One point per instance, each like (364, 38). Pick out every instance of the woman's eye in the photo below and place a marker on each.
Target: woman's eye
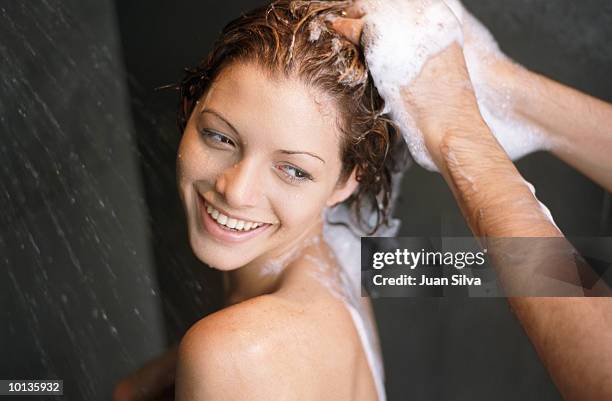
(217, 138)
(294, 174)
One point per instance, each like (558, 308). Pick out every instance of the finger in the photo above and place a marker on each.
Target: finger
(350, 28)
(355, 11)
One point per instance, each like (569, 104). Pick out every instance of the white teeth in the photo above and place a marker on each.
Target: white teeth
(224, 220)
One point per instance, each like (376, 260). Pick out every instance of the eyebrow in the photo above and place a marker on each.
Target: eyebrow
(220, 117)
(284, 151)
(293, 152)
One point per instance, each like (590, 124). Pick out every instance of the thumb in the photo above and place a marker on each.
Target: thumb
(350, 28)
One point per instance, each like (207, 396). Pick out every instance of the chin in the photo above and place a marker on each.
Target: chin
(215, 256)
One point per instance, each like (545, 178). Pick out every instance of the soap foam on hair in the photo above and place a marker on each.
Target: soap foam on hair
(396, 52)
(401, 35)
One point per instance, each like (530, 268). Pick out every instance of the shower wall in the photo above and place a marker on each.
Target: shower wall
(79, 294)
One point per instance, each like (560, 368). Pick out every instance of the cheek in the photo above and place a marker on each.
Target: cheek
(194, 163)
(297, 209)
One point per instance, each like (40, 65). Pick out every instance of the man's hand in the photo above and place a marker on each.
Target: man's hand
(421, 26)
(439, 99)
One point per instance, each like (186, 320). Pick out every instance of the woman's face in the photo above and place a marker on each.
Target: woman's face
(257, 151)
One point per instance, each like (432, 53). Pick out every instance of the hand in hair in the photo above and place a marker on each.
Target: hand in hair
(439, 98)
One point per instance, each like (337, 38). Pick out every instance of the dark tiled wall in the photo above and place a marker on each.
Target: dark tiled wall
(79, 293)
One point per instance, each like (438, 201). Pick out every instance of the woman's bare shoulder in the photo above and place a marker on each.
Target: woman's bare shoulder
(266, 323)
(244, 327)
(250, 345)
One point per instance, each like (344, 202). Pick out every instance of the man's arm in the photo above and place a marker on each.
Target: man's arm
(573, 336)
(578, 126)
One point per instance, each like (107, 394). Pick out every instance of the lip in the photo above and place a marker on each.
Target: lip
(231, 216)
(214, 229)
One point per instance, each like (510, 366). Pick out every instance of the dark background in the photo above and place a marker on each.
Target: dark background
(97, 275)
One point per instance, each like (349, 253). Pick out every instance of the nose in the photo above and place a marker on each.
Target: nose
(238, 184)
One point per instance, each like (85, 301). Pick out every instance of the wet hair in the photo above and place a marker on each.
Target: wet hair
(294, 40)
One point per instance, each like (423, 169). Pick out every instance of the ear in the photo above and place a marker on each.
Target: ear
(346, 189)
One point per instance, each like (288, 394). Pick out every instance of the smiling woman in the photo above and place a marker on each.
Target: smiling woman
(262, 152)
(281, 125)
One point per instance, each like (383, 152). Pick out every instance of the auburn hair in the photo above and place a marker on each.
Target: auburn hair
(294, 39)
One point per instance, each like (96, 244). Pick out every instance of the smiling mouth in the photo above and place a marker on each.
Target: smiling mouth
(230, 223)
(225, 228)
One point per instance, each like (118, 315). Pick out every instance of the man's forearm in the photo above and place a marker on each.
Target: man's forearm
(578, 126)
(494, 198)
(573, 336)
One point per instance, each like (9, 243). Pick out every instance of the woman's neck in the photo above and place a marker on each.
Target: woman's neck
(264, 275)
